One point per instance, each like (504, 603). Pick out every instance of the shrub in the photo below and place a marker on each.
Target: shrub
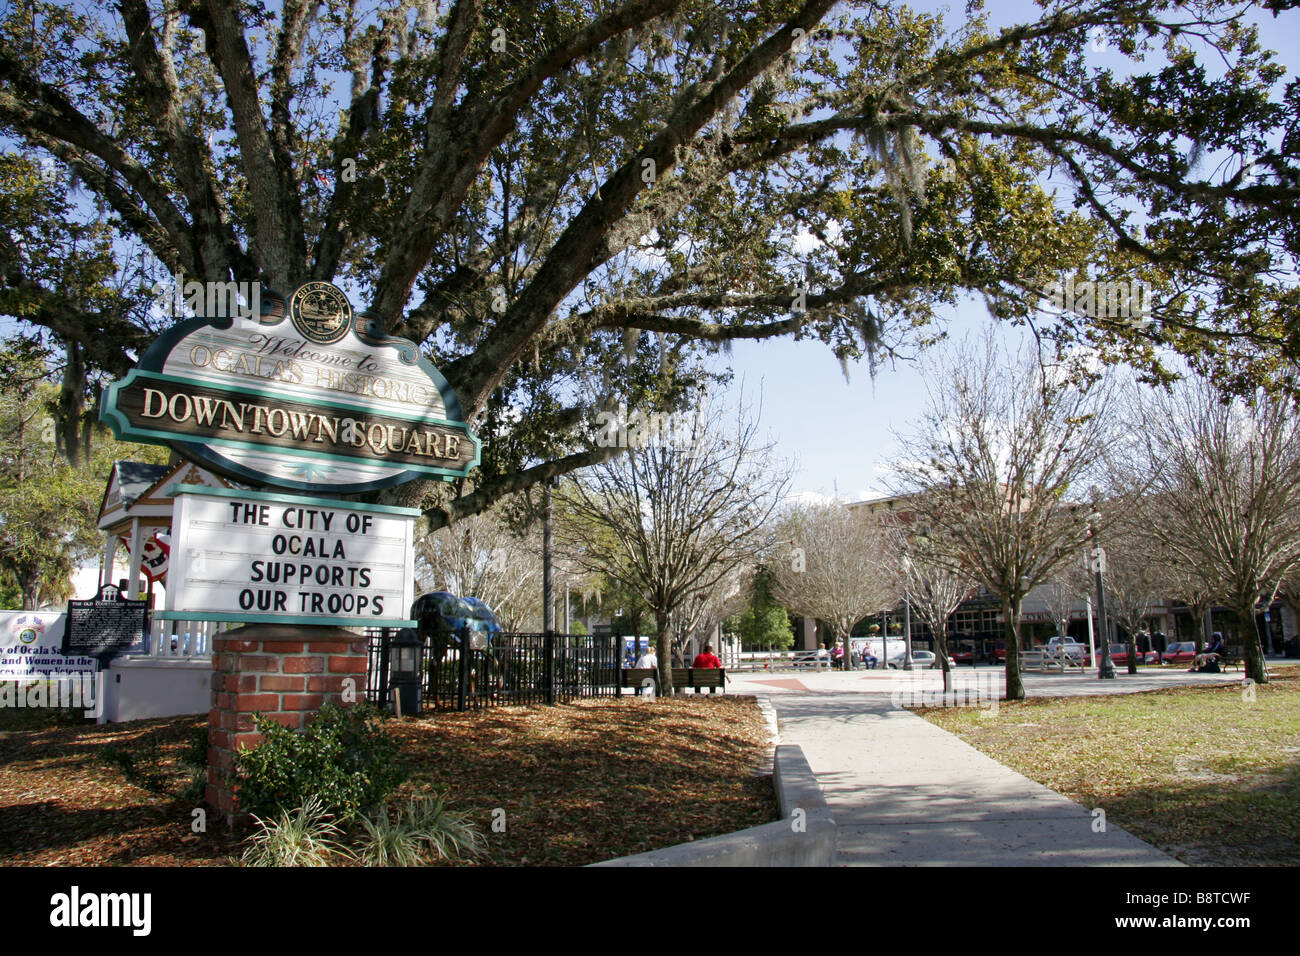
(424, 826)
(389, 841)
(302, 837)
(446, 833)
(343, 758)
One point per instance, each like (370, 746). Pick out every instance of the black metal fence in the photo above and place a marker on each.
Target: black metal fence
(510, 669)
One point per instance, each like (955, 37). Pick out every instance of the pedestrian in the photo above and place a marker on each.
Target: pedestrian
(648, 659)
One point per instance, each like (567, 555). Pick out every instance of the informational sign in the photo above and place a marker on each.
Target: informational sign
(31, 647)
(105, 625)
(261, 557)
(305, 396)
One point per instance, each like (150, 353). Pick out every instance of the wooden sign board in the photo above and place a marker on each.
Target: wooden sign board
(305, 396)
(258, 557)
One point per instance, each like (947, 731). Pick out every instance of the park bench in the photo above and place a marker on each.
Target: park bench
(1043, 661)
(696, 678)
(1228, 657)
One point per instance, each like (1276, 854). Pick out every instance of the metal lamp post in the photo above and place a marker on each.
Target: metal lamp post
(1097, 560)
(907, 614)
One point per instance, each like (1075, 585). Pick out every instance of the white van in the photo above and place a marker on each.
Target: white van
(1058, 646)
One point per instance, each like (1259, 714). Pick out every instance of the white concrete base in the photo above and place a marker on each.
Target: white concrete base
(139, 687)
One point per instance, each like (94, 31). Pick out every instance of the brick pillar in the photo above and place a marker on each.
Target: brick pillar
(286, 672)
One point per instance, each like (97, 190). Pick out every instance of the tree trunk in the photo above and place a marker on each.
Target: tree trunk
(941, 651)
(31, 588)
(1011, 636)
(664, 652)
(1252, 651)
(844, 634)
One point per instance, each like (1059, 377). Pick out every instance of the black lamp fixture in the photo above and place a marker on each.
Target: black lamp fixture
(405, 667)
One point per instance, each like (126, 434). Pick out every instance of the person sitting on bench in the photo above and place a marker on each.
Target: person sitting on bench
(707, 658)
(1207, 662)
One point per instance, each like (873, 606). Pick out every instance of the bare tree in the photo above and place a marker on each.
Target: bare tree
(704, 611)
(1005, 441)
(1064, 589)
(935, 584)
(1232, 471)
(1289, 591)
(838, 569)
(1181, 580)
(676, 515)
(1133, 579)
(483, 557)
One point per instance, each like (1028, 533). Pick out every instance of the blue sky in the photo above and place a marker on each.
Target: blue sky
(843, 432)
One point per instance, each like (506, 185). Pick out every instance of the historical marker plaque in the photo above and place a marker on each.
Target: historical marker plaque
(105, 626)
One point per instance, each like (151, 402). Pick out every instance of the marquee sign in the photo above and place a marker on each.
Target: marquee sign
(253, 556)
(306, 396)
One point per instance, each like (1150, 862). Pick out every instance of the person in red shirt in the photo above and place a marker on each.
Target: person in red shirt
(707, 658)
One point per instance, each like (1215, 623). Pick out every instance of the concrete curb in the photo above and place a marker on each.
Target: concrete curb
(767, 766)
(804, 837)
(769, 714)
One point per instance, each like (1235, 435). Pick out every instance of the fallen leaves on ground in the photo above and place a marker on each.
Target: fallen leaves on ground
(564, 785)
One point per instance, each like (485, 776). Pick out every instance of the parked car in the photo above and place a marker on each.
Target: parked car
(1058, 648)
(996, 656)
(1179, 652)
(921, 660)
(1119, 655)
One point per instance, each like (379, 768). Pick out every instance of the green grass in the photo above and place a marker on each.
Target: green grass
(1207, 774)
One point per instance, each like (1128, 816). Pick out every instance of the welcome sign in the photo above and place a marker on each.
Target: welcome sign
(305, 396)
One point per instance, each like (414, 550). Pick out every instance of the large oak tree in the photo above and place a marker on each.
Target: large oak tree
(569, 205)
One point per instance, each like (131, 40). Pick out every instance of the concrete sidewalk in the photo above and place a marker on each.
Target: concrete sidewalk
(905, 793)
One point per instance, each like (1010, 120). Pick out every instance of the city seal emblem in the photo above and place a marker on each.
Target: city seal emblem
(320, 312)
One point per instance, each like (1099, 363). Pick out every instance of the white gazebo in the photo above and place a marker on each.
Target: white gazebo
(137, 505)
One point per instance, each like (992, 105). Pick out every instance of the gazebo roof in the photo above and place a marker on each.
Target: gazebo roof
(138, 490)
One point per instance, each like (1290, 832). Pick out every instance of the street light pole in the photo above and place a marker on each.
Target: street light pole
(548, 586)
(1097, 557)
(907, 614)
